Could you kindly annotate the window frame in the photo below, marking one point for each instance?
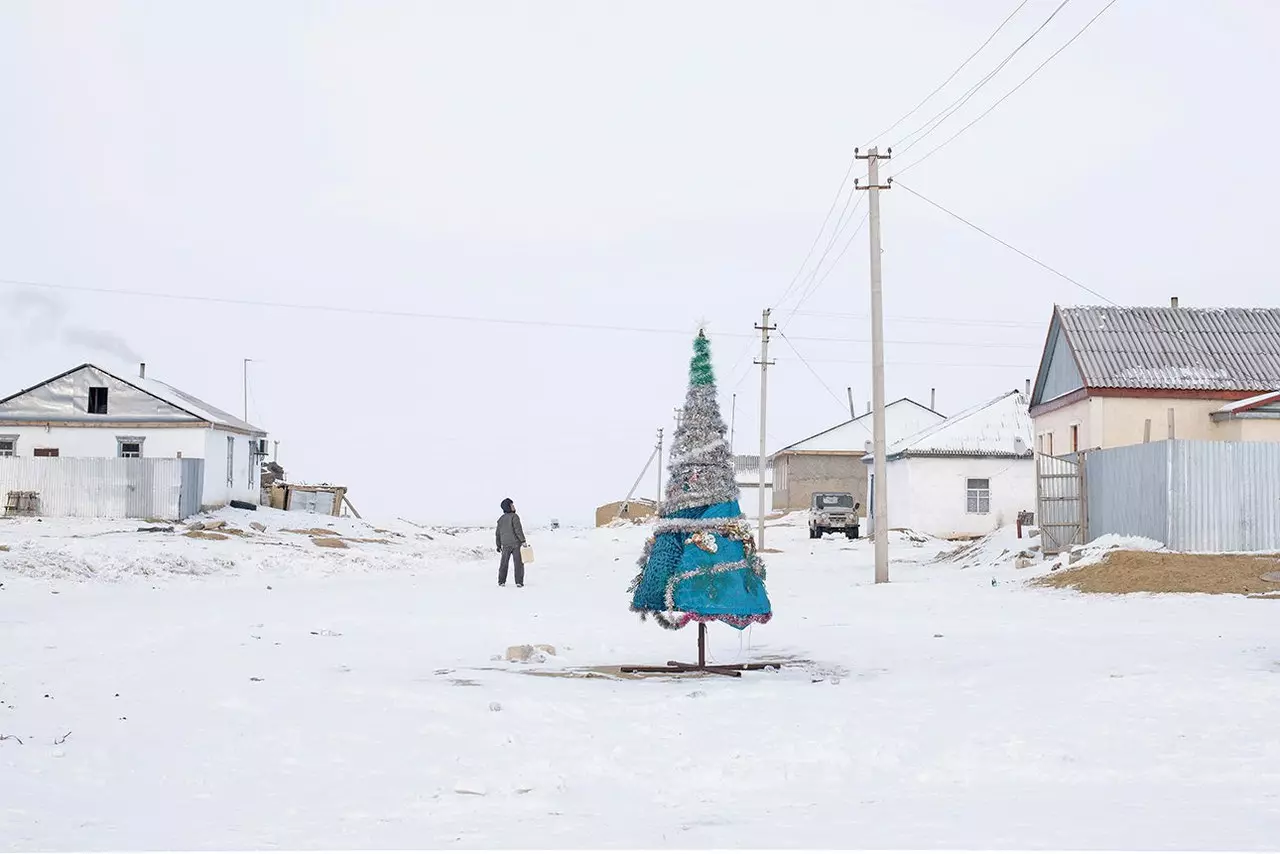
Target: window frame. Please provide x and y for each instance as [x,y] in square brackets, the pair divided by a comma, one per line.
[47,453]
[231,461]
[106,400]
[1075,437]
[12,441]
[975,496]
[121,441]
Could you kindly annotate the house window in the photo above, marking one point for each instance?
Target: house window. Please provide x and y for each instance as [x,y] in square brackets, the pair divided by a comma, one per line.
[97,401]
[8,446]
[45,452]
[129,447]
[1075,438]
[231,461]
[979,495]
[1049,439]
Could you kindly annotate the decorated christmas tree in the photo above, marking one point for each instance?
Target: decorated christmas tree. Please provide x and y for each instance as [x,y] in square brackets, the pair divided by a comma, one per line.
[700,564]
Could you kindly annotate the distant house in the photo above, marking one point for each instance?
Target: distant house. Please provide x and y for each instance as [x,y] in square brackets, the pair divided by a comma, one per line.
[965,476]
[1111,377]
[635,510]
[91,413]
[831,461]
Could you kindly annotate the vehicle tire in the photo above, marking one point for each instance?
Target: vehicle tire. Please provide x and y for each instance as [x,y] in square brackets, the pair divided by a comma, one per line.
[813,535]
[243,505]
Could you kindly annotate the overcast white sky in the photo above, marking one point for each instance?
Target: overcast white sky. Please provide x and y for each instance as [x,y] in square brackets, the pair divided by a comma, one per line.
[639,164]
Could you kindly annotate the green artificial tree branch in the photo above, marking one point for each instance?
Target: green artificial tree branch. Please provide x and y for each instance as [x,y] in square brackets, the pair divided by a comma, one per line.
[700,371]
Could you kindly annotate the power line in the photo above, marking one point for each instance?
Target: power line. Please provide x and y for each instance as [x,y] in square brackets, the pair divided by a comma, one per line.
[946,112]
[948,363]
[418,315]
[1187,342]
[1008,245]
[841,224]
[816,375]
[943,84]
[1024,82]
[1028,324]
[813,288]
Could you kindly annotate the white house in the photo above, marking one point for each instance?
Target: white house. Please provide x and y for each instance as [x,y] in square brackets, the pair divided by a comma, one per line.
[829,461]
[89,412]
[965,476]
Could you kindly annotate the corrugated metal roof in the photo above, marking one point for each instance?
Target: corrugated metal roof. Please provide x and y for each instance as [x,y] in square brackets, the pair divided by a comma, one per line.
[1264,400]
[990,429]
[1210,349]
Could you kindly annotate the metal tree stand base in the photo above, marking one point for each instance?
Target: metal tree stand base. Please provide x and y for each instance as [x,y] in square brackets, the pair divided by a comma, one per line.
[702,666]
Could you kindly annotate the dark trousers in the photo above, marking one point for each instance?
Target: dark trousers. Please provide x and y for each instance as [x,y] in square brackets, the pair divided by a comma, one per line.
[509,552]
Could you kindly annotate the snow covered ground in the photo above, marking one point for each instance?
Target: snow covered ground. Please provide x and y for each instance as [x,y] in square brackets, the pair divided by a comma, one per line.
[262,691]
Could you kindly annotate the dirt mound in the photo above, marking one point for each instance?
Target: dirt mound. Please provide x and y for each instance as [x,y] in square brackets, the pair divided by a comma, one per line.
[1125,571]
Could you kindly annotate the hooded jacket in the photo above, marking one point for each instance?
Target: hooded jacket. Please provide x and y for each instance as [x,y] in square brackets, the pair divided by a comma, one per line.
[510,533]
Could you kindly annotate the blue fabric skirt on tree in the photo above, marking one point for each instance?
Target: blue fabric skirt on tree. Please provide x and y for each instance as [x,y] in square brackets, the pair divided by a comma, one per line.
[701,566]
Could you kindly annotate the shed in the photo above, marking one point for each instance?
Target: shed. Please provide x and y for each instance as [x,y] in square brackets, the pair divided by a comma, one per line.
[635,510]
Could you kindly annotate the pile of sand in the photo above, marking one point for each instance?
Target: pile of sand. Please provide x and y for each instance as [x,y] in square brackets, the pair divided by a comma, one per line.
[1169,572]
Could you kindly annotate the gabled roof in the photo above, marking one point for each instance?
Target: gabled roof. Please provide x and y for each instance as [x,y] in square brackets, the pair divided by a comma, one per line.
[1166,348]
[995,428]
[902,418]
[164,392]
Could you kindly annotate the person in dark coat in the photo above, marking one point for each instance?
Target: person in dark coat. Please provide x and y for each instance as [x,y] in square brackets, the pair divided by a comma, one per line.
[509,537]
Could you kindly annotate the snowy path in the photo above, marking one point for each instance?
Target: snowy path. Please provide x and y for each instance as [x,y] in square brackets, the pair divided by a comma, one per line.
[1038,718]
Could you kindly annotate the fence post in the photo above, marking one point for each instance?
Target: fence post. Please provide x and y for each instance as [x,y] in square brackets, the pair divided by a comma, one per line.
[1168,491]
[1084,499]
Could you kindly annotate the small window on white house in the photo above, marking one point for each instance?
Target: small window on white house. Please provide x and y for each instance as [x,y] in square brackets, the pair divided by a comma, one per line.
[97,400]
[129,447]
[978,498]
[8,446]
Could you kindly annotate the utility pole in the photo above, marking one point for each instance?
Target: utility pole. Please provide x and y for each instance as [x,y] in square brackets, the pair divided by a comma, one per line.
[764,364]
[733,424]
[659,496]
[880,493]
[244,388]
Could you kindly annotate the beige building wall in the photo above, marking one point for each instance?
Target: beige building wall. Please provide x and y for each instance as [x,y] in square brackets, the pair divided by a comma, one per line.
[799,474]
[1111,422]
[1256,429]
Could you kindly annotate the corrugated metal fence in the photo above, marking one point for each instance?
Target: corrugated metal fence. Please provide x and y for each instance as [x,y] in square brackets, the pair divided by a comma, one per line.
[107,488]
[1194,496]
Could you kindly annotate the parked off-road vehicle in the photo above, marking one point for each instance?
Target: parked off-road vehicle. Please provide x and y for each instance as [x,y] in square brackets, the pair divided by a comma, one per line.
[833,512]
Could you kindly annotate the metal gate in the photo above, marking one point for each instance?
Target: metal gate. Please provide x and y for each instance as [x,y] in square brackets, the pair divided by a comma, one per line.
[1060,503]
